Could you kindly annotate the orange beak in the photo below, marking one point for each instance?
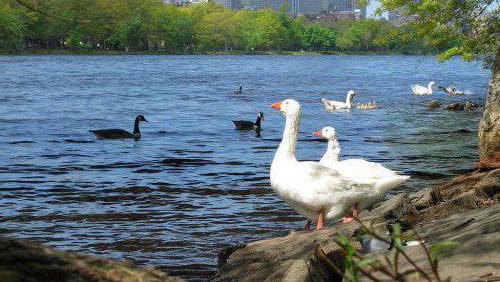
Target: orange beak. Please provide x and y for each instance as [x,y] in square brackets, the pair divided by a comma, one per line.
[276,106]
[317,133]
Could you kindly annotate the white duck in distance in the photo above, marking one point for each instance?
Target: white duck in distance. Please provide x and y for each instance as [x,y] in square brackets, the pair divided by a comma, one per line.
[310,188]
[381,178]
[332,105]
[422,90]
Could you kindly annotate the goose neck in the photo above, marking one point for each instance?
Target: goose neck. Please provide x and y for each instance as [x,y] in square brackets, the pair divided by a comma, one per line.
[136,127]
[348,100]
[258,121]
[333,150]
[287,145]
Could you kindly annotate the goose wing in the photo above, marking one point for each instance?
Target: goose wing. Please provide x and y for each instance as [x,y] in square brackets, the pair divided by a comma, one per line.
[364,171]
[243,124]
[323,186]
[111,133]
[419,89]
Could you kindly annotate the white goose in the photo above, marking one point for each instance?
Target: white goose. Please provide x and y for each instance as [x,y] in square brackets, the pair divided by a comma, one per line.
[422,90]
[312,189]
[332,105]
[359,170]
[331,156]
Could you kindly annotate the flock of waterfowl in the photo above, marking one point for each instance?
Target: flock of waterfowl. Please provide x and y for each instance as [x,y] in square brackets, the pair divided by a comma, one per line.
[328,189]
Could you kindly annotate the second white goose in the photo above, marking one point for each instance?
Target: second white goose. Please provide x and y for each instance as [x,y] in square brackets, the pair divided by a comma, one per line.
[382,178]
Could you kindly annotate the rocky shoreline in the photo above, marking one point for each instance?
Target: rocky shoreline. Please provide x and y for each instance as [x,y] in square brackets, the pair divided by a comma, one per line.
[466,210]
[25,261]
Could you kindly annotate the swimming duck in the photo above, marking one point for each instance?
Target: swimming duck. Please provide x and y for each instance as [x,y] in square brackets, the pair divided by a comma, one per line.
[310,188]
[332,105]
[239,90]
[366,106]
[422,90]
[452,90]
[249,125]
[120,133]
[382,179]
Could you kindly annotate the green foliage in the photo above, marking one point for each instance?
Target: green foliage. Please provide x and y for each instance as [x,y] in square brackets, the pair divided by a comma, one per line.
[318,38]
[472,25]
[12,30]
[144,25]
[371,267]
[440,249]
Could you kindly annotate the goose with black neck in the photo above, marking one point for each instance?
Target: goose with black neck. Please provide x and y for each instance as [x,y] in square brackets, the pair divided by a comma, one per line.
[114,133]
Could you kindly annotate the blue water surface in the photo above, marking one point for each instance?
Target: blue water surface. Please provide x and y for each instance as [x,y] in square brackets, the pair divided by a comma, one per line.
[193,183]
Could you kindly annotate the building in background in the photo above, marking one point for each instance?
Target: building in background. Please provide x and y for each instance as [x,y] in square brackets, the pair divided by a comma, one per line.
[342,9]
[334,9]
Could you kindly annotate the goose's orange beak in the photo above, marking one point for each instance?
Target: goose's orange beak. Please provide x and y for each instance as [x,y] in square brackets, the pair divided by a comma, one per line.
[276,106]
[317,133]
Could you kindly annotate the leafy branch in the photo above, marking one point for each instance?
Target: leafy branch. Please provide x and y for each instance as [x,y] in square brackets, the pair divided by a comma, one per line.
[371,267]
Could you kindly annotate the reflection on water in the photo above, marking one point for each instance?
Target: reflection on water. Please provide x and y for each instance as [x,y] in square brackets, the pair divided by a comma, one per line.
[193,183]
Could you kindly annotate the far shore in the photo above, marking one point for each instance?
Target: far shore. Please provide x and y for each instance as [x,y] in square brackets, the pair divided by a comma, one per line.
[55,52]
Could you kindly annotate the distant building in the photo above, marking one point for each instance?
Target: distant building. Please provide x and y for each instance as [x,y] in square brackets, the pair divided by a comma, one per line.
[310,7]
[182,2]
[343,8]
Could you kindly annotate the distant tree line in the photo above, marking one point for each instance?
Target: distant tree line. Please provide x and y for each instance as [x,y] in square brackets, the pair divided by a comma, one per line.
[152,25]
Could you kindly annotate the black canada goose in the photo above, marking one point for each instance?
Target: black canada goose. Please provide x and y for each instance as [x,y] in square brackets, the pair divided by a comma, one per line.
[249,125]
[239,90]
[120,133]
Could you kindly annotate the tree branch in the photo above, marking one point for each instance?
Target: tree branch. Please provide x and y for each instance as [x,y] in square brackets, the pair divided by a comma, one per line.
[47,14]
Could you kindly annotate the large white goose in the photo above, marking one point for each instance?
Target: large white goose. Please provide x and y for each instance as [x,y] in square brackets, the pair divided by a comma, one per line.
[332,105]
[359,170]
[422,90]
[310,188]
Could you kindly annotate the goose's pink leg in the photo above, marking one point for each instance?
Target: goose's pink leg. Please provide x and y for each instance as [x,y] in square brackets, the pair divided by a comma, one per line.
[319,223]
[307,226]
[350,218]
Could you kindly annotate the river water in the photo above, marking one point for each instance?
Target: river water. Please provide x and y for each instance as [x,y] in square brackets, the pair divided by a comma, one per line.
[193,183]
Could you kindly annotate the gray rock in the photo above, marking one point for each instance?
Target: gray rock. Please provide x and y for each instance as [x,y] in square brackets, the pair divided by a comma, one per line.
[24,261]
[477,233]
[466,207]
[434,104]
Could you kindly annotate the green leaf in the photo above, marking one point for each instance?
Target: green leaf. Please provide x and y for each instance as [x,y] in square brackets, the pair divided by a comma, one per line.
[438,250]
[396,235]
[366,261]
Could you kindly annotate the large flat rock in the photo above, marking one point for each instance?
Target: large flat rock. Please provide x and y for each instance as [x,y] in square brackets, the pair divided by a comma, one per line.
[464,209]
[22,261]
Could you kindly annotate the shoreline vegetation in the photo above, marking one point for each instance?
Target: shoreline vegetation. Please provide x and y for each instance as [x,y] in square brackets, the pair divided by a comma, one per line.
[71,52]
[154,27]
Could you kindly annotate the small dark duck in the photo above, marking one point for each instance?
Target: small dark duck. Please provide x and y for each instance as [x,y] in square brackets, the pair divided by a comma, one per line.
[239,90]
[114,133]
[249,125]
